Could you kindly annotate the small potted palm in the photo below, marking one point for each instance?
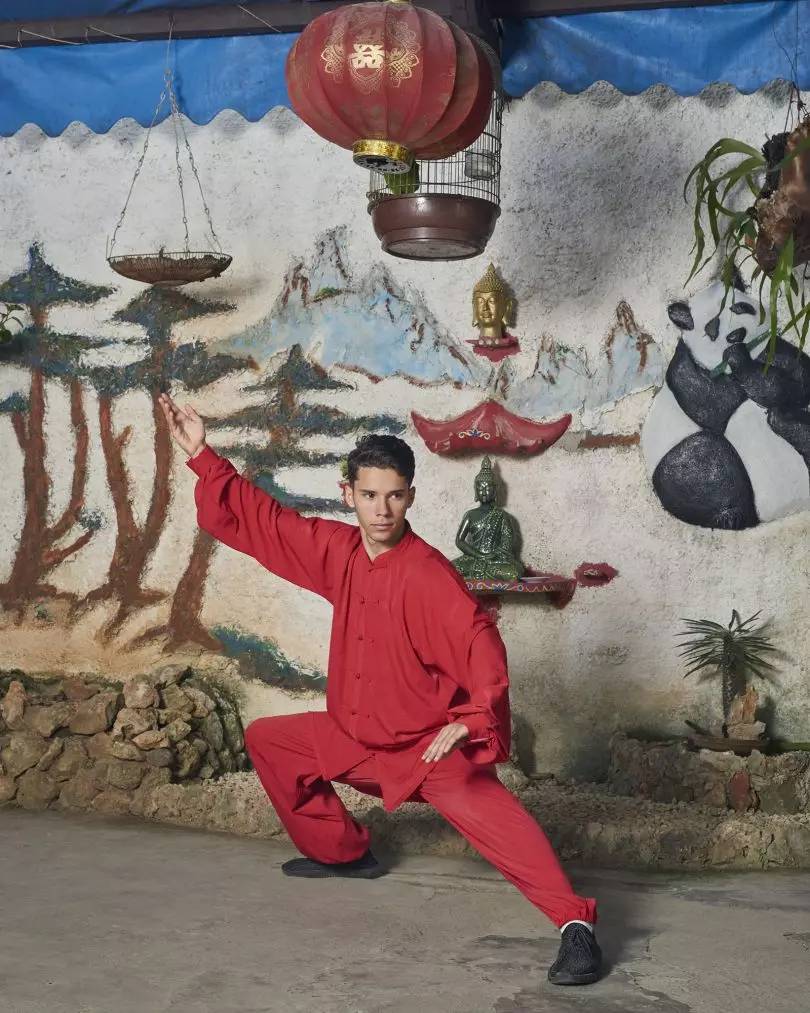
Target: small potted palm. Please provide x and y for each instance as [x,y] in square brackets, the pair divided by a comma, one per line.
[733,654]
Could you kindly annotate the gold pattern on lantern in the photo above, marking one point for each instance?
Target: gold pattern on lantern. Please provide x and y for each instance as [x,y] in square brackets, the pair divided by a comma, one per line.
[369,62]
[367,55]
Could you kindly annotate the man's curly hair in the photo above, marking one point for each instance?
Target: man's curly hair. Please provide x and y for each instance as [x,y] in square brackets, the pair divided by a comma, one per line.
[381,451]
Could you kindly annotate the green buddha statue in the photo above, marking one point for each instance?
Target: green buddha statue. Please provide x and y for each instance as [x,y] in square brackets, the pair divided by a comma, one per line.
[487,536]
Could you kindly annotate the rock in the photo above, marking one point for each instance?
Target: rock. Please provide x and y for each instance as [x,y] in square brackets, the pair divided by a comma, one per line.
[243,762]
[131,722]
[160,758]
[174,699]
[127,750]
[125,774]
[113,802]
[100,745]
[226,761]
[36,790]
[8,788]
[46,720]
[743,710]
[741,796]
[77,689]
[233,732]
[152,739]
[203,704]
[71,760]
[23,751]
[154,778]
[95,715]
[511,776]
[100,768]
[188,760]
[79,791]
[748,732]
[54,749]
[167,675]
[200,745]
[177,730]
[13,706]
[206,772]
[140,694]
[212,731]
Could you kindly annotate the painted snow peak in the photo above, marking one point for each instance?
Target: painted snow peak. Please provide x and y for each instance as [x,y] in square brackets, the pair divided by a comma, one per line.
[729,448]
[564,379]
[370,324]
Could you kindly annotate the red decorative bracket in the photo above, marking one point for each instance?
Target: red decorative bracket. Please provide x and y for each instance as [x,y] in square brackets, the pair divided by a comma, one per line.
[490,428]
[560,590]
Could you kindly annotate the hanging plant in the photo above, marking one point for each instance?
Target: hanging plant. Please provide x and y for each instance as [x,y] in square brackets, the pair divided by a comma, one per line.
[774,230]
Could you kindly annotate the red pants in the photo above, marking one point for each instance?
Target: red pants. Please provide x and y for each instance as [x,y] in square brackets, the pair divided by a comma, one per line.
[470,797]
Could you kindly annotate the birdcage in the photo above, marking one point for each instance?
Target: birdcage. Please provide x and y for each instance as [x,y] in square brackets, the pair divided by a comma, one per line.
[444,209]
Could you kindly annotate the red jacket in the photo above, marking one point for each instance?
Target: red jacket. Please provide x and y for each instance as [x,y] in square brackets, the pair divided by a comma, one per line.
[411,649]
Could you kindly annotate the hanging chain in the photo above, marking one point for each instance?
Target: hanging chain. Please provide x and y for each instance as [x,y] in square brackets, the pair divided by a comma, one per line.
[138,168]
[175,120]
[214,235]
[179,128]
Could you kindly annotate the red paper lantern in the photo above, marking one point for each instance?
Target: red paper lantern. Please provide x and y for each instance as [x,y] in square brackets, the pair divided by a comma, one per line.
[391,82]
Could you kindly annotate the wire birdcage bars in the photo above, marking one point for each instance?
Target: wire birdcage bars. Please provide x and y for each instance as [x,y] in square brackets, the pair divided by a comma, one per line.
[444,209]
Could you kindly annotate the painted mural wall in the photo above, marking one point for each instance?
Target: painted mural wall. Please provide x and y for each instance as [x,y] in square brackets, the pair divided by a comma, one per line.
[314,337]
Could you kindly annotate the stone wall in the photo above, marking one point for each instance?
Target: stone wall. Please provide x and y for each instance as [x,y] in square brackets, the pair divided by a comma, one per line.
[674,772]
[75,743]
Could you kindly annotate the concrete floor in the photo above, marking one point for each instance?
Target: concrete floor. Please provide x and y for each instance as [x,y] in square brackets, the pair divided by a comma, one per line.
[114,917]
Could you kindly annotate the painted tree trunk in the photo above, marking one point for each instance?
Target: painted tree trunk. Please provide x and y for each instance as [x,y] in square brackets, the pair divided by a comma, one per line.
[184,625]
[37,554]
[134,544]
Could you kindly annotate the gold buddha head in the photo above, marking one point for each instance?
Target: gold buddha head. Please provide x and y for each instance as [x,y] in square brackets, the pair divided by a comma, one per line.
[492,306]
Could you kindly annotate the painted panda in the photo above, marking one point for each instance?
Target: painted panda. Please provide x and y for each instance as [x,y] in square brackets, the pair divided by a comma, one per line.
[731,451]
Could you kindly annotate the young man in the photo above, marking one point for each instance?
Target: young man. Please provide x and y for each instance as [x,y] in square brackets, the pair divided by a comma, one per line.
[417,696]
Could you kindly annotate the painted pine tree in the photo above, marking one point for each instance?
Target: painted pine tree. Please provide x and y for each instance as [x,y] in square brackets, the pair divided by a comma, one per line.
[158,311]
[49,356]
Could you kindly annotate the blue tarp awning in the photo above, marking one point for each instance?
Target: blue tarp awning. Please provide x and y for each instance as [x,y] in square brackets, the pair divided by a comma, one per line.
[745,45]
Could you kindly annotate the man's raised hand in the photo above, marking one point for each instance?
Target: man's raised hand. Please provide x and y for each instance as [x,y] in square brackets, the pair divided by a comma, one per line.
[185,425]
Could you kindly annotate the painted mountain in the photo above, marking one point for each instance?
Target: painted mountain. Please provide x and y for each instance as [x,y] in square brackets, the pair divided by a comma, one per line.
[563,379]
[371,324]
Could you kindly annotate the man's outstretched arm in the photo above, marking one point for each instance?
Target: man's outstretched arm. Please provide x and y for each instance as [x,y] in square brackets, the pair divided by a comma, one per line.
[247,519]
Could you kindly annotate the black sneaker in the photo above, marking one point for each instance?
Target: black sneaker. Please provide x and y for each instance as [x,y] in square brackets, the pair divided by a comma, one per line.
[579,959]
[365,867]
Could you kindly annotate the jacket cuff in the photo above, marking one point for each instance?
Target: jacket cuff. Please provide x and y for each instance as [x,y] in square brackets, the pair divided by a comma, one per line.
[480,726]
[203,462]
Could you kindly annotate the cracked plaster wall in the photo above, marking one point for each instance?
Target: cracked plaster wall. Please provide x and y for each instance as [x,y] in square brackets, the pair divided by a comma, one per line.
[593,215]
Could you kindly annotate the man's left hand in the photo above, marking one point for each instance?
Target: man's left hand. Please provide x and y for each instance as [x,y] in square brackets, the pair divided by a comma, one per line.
[448,739]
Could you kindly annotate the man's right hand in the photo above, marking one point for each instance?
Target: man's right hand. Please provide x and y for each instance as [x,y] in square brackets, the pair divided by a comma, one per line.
[185,425]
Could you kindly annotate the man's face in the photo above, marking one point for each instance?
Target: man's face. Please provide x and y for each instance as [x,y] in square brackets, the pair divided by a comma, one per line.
[380,498]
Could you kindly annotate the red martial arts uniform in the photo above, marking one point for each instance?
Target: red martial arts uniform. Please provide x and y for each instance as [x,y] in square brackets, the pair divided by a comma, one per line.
[411,651]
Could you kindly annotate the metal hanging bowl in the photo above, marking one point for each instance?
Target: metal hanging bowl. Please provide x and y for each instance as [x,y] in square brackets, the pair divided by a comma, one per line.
[161,268]
[170,269]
